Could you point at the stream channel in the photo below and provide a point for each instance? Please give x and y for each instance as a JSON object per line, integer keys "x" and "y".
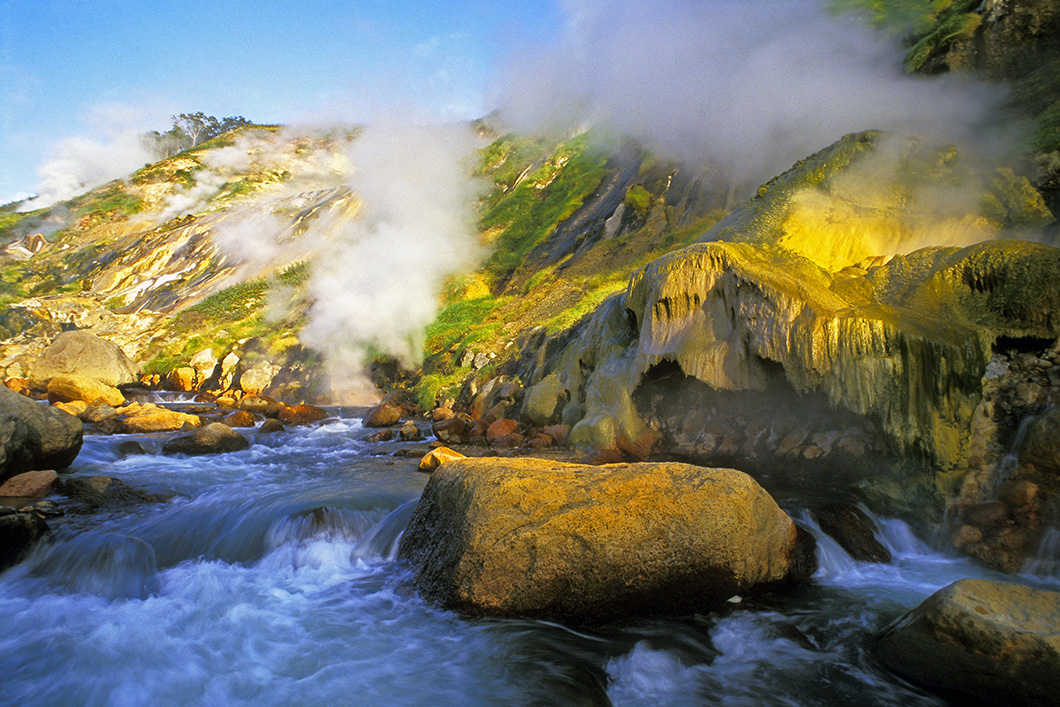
{"x": 270, "y": 578}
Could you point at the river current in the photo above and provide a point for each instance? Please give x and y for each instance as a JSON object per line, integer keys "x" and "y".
{"x": 269, "y": 578}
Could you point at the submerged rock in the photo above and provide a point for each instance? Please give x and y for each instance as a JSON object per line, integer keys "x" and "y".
{"x": 35, "y": 436}
{"x": 98, "y": 491}
{"x": 215, "y": 438}
{"x": 853, "y": 530}
{"x": 528, "y": 537}
{"x": 18, "y": 533}
{"x": 987, "y": 640}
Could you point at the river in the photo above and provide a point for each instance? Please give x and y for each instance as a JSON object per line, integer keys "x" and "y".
{"x": 270, "y": 578}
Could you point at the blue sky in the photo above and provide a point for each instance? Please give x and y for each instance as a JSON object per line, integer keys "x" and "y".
{"x": 81, "y": 68}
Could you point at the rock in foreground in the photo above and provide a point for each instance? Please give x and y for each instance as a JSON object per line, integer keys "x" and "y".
{"x": 985, "y": 639}
{"x": 35, "y": 436}
{"x": 215, "y": 438}
{"x": 529, "y": 537}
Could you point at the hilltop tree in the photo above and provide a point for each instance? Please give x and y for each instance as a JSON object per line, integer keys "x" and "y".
{"x": 189, "y": 130}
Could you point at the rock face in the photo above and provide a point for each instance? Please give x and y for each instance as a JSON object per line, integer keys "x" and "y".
{"x": 984, "y": 639}
{"x": 85, "y": 354}
{"x": 215, "y": 438}
{"x": 35, "y": 436}
{"x": 528, "y": 537}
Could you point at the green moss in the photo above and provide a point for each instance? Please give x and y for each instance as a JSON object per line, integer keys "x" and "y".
{"x": 533, "y": 208}
{"x": 459, "y": 322}
{"x": 638, "y": 199}
{"x": 953, "y": 25}
{"x": 109, "y": 202}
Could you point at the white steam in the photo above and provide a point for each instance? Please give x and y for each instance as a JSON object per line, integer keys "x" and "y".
{"x": 112, "y": 148}
{"x": 747, "y": 87}
{"x": 377, "y": 279}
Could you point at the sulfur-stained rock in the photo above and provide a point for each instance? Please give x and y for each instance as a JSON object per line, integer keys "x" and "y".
{"x": 69, "y": 387}
{"x": 75, "y": 407}
{"x": 156, "y": 419}
{"x": 984, "y": 639}
{"x": 215, "y": 438}
{"x": 302, "y": 414}
{"x": 438, "y": 456}
{"x": 239, "y": 418}
{"x": 528, "y": 537}
{"x": 182, "y": 379}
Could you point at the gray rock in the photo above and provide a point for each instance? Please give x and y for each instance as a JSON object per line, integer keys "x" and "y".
{"x": 84, "y": 354}
{"x": 35, "y": 436}
{"x": 988, "y": 640}
{"x": 97, "y": 491}
{"x": 215, "y": 438}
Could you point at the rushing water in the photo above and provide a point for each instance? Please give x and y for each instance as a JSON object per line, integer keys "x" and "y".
{"x": 269, "y": 578}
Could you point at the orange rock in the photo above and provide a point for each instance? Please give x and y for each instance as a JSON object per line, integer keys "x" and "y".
{"x": 500, "y": 428}
{"x": 19, "y": 385}
{"x": 440, "y": 413}
{"x": 65, "y": 389}
{"x": 239, "y": 418}
{"x": 32, "y": 484}
{"x": 75, "y": 407}
{"x": 383, "y": 415}
{"x": 558, "y": 433}
{"x": 508, "y": 441}
{"x": 159, "y": 420}
{"x": 302, "y": 414}
{"x": 436, "y": 457}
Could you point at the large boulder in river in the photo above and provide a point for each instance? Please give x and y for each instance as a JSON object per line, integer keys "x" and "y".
{"x": 215, "y": 438}
{"x": 35, "y": 436}
{"x": 529, "y": 537}
{"x": 988, "y": 640}
{"x": 85, "y": 354}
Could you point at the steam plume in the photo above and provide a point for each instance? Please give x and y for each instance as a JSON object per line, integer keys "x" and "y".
{"x": 747, "y": 87}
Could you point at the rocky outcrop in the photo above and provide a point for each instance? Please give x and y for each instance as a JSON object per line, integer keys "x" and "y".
{"x": 818, "y": 288}
{"x": 35, "y": 436}
{"x": 986, "y": 640}
{"x": 528, "y": 537}
{"x": 84, "y": 354}
{"x": 215, "y": 438}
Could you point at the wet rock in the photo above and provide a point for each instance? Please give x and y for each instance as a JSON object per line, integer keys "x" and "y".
{"x": 438, "y": 456}
{"x": 441, "y": 413}
{"x": 528, "y": 537}
{"x": 383, "y": 415}
{"x": 987, "y": 640}
{"x": 1041, "y": 446}
{"x": 986, "y": 515}
{"x": 409, "y": 432}
{"x": 18, "y": 533}
{"x": 84, "y": 354}
{"x": 271, "y": 426}
{"x": 101, "y": 491}
{"x": 542, "y": 400}
{"x": 853, "y": 530}
{"x": 151, "y": 418}
{"x": 239, "y": 418}
{"x": 1019, "y": 493}
{"x": 508, "y": 441}
{"x": 966, "y": 535}
{"x": 35, "y": 436}
{"x": 99, "y": 413}
{"x": 380, "y": 436}
{"x": 261, "y": 405}
{"x": 32, "y": 484}
{"x": 302, "y": 414}
{"x": 129, "y": 448}
{"x": 215, "y": 438}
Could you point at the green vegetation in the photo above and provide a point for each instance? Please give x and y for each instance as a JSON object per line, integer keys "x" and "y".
{"x": 639, "y": 199}
{"x": 110, "y": 202}
{"x": 12, "y": 279}
{"x": 526, "y": 210}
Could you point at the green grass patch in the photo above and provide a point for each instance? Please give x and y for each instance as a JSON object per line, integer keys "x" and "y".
{"x": 460, "y": 322}
{"x": 540, "y": 202}
{"x": 110, "y": 202}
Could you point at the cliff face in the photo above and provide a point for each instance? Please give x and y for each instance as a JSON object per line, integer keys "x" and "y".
{"x": 798, "y": 315}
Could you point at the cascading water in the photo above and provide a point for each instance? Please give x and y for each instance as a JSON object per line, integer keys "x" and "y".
{"x": 270, "y": 578}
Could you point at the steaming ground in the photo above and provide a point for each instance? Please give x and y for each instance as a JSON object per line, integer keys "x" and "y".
{"x": 747, "y": 88}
